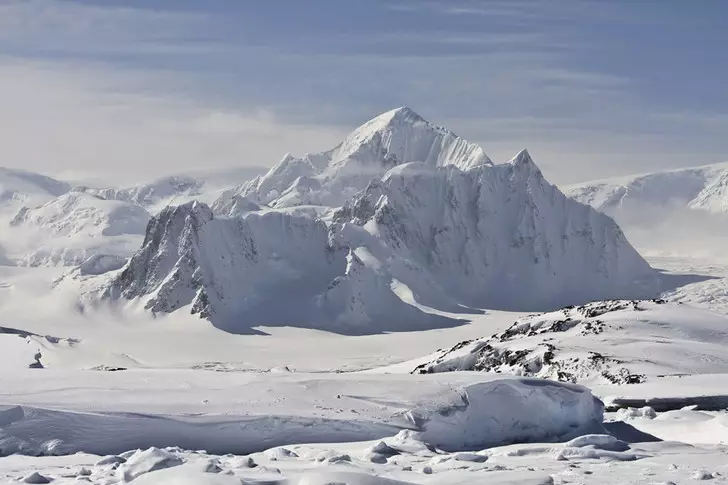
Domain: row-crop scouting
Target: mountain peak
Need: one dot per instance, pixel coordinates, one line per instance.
(403, 113)
(523, 157)
(396, 137)
(387, 120)
(524, 162)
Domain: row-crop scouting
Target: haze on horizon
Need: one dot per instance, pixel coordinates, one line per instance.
(129, 90)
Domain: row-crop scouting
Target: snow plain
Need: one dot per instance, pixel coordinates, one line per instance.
(124, 395)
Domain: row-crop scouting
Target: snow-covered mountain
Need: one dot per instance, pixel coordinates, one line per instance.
(20, 188)
(704, 188)
(672, 213)
(453, 230)
(70, 228)
(329, 178)
(163, 190)
(78, 213)
(50, 223)
(617, 342)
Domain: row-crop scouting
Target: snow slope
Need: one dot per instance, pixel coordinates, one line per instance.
(612, 342)
(672, 214)
(329, 178)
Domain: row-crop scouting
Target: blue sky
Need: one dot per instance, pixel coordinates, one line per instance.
(593, 89)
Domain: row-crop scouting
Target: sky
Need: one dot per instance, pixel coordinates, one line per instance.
(134, 89)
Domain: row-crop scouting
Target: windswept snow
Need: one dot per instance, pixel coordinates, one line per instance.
(162, 191)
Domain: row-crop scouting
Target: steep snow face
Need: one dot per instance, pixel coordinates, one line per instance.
(703, 188)
(329, 178)
(604, 342)
(76, 213)
(18, 188)
(500, 236)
